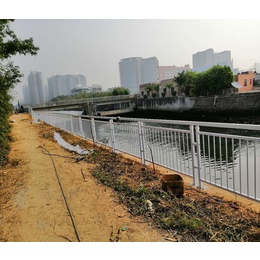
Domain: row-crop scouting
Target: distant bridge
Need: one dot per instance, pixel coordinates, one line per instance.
(96, 106)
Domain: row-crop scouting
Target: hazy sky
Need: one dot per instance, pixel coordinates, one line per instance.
(94, 47)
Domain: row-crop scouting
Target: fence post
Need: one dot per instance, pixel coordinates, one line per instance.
(71, 124)
(112, 134)
(80, 127)
(93, 129)
(193, 154)
(198, 154)
(64, 122)
(141, 142)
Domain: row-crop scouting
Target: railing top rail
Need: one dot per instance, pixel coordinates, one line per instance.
(76, 101)
(188, 123)
(171, 122)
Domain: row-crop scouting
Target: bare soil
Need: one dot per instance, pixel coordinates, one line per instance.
(31, 204)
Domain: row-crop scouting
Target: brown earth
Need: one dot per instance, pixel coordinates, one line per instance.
(31, 204)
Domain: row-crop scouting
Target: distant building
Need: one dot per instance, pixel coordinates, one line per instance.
(256, 67)
(136, 71)
(245, 79)
(96, 88)
(205, 60)
(168, 72)
(92, 89)
(149, 70)
(26, 95)
(59, 85)
(36, 90)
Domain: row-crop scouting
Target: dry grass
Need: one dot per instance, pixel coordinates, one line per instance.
(194, 217)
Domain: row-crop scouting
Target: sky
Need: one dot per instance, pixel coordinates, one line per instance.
(94, 47)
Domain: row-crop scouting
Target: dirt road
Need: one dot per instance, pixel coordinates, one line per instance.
(35, 209)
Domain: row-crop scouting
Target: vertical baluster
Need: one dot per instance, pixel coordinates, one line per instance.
(226, 161)
(214, 148)
(176, 151)
(220, 158)
(234, 188)
(180, 151)
(247, 169)
(188, 152)
(255, 169)
(203, 144)
(240, 166)
(184, 154)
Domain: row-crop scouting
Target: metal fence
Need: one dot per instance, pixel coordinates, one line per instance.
(83, 100)
(214, 153)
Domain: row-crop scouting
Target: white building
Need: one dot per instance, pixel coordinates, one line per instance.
(59, 85)
(26, 95)
(205, 60)
(256, 67)
(36, 90)
(149, 70)
(136, 71)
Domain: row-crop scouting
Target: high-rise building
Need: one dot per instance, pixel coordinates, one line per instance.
(168, 72)
(149, 70)
(59, 85)
(204, 60)
(26, 95)
(136, 71)
(36, 90)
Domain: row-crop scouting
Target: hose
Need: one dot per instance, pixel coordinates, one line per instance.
(73, 223)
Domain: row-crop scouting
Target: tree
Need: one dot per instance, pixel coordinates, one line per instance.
(120, 91)
(154, 95)
(163, 94)
(213, 81)
(190, 78)
(10, 45)
(169, 87)
(149, 89)
(180, 79)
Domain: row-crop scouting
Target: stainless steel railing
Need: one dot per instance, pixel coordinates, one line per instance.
(205, 151)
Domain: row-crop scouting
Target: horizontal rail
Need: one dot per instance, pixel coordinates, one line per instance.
(231, 136)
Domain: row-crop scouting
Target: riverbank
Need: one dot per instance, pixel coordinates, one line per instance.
(198, 216)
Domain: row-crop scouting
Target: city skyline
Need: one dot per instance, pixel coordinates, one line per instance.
(94, 47)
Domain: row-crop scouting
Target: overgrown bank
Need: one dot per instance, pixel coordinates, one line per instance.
(194, 217)
(10, 45)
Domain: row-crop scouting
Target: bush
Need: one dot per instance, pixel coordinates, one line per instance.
(154, 95)
(163, 94)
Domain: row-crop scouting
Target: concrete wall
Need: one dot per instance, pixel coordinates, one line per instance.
(240, 102)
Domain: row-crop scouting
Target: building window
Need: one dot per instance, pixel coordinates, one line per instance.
(250, 81)
(245, 82)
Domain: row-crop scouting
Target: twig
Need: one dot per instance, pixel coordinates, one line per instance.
(83, 174)
(152, 157)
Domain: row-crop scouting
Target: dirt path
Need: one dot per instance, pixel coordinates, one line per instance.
(36, 210)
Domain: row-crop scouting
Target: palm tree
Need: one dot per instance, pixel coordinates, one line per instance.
(180, 80)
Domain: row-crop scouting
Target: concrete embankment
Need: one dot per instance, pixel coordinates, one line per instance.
(232, 103)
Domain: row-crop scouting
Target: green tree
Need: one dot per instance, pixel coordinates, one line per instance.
(180, 79)
(10, 45)
(120, 91)
(149, 89)
(213, 81)
(156, 87)
(190, 78)
(154, 95)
